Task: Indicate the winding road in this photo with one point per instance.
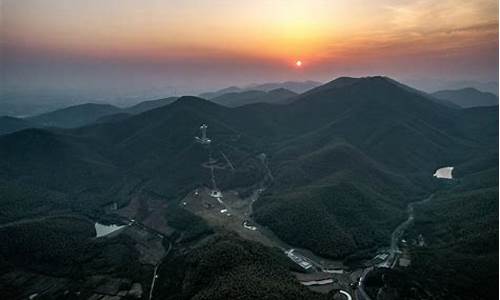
(394, 250)
(155, 271)
(348, 296)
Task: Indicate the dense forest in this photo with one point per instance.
(334, 220)
(227, 267)
(65, 247)
(339, 165)
(190, 225)
(459, 229)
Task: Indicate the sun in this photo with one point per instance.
(298, 63)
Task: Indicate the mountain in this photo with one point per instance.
(470, 208)
(99, 160)
(422, 93)
(136, 109)
(80, 115)
(21, 102)
(349, 150)
(227, 267)
(11, 124)
(277, 96)
(297, 87)
(148, 105)
(458, 226)
(343, 161)
(487, 86)
(351, 136)
(74, 116)
(346, 81)
(113, 118)
(467, 97)
(210, 95)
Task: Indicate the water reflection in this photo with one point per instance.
(103, 230)
(445, 173)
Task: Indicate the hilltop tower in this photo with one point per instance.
(203, 129)
(203, 139)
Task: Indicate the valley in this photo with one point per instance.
(247, 150)
(264, 201)
(227, 211)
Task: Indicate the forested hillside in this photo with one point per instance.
(460, 227)
(227, 267)
(374, 152)
(341, 163)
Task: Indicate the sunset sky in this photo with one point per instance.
(209, 44)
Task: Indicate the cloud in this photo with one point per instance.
(426, 16)
(424, 28)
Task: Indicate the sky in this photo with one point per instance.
(189, 46)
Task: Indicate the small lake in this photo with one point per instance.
(103, 230)
(445, 172)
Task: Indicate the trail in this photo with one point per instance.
(41, 219)
(227, 160)
(155, 271)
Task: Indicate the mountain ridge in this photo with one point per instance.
(378, 127)
(467, 97)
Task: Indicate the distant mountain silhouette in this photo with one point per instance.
(74, 116)
(231, 89)
(136, 109)
(11, 124)
(298, 87)
(277, 96)
(467, 97)
(293, 86)
(148, 105)
(113, 118)
(80, 115)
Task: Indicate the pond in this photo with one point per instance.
(103, 230)
(445, 172)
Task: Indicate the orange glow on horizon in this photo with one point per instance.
(270, 33)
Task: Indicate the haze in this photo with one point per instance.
(122, 47)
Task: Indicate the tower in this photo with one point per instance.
(203, 129)
(203, 139)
